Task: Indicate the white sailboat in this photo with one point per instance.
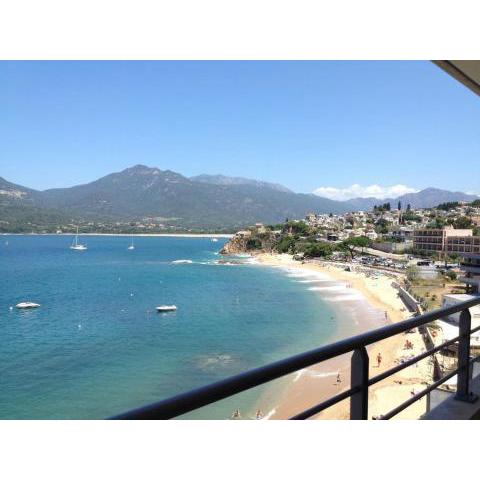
(132, 246)
(77, 246)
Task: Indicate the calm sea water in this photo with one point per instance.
(96, 347)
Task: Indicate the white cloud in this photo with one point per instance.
(357, 190)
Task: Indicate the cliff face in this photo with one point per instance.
(235, 245)
(248, 241)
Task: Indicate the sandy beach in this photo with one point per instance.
(319, 382)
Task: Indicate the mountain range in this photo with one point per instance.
(204, 201)
(426, 198)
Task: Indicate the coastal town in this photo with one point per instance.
(404, 262)
(446, 238)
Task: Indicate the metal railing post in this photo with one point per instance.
(463, 377)
(359, 378)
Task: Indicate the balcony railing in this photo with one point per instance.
(360, 381)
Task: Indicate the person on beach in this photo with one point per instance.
(259, 415)
(236, 415)
(379, 359)
(386, 315)
(339, 380)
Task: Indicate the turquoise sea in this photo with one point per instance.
(96, 347)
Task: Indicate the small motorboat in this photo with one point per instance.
(166, 308)
(27, 305)
(214, 239)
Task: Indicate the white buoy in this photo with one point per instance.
(11, 308)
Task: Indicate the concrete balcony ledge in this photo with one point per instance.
(451, 409)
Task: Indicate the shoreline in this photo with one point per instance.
(186, 235)
(314, 384)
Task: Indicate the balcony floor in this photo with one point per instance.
(451, 409)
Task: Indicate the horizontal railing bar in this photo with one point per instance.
(474, 330)
(326, 404)
(408, 363)
(197, 398)
(418, 396)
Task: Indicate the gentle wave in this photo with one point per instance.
(294, 272)
(345, 298)
(299, 374)
(300, 275)
(316, 280)
(331, 288)
(269, 414)
(324, 375)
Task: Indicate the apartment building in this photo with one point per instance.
(437, 239)
(454, 241)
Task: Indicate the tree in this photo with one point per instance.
(451, 257)
(382, 226)
(286, 245)
(463, 222)
(320, 249)
(437, 222)
(447, 206)
(296, 228)
(451, 275)
(253, 244)
(408, 207)
(399, 205)
(351, 244)
(412, 273)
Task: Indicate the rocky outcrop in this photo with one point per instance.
(256, 239)
(237, 244)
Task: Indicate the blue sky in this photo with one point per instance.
(307, 125)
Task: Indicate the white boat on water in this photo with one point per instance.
(166, 308)
(77, 246)
(131, 246)
(27, 305)
(214, 239)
